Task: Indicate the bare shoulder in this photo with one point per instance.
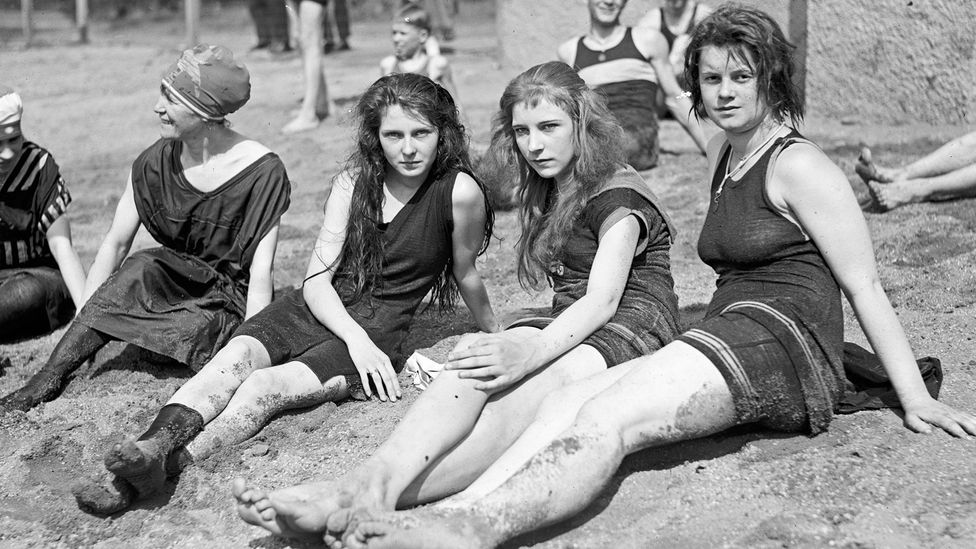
(440, 63)
(387, 64)
(567, 51)
(467, 193)
(651, 19)
(650, 42)
(343, 184)
(804, 167)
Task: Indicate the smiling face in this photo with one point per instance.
(729, 90)
(407, 39)
(176, 121)
(606, 12)
(409, 143)
(10, 149)
(544, 135)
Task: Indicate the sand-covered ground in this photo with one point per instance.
(868, 482)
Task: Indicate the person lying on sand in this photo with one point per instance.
(212, 199)
(783, 231)
(42, 281)
(591, 226)
(946, 173)
(404, 219)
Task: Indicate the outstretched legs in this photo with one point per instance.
(675, 394)
(404, 472)
(77, 345)
(947, 173)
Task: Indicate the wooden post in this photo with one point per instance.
(27, 20)
(81, 20)
(192, 9)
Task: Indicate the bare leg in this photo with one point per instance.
(960, 183)
(264, 394)
(315, 101)
(674, 394)
(77, 345)
(453, 454)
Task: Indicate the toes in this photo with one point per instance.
(338, 521)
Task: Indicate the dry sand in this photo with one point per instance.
(868, 482)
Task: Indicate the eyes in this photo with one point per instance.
(545, 127)
(395, 135)
(739, 77)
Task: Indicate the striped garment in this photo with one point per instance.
(32, 197)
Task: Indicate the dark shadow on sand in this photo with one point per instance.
(653, 459)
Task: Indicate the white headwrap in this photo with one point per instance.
(11, 110)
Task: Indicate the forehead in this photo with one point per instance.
(406, 28)
(397, 117)
(534, 111)
(719, 58)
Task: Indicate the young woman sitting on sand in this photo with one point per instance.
(592, 227)
(404, 218)
(42, 281)
(783, 230)
(212, 199)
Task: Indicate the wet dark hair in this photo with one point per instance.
(545, 215)
(747, 32)
(362, 252)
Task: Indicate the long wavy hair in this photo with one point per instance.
(547, 214)
(361, 258)
(741, 29)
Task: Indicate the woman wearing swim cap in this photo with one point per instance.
(211, 198)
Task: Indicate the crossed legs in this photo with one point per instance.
(947, 173)
(463, 431)
(675, 394)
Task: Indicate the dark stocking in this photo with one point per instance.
(77, 345)
(142, 462)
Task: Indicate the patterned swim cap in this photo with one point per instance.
(208, 81)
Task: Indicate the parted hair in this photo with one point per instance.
(362, 252)
(547, 214)
(742, 29)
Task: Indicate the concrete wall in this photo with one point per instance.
(885, 61)
(892, 61)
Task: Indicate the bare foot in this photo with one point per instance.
(869, 171)
(297, 512)
(104, 496)
(888, 196)
(428, 528)
(141, 462)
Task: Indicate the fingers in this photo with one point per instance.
(493, 385)
(480, 345)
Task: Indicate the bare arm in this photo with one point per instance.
(260, 288)
(655, 48)
(469, 232)
(387, 64)
(59, 240)
(814, 191)
(567, 51)
(326, 305)
(507, 360)
(116, 243)
(956, 154)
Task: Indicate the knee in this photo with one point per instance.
(554, 405)
(259, 385)
(595, 420)
(23, 289)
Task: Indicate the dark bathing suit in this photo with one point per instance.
(32, 197)
(629, 83)
(417, 245)
(184, 299)
(774, 327)
(647, 315)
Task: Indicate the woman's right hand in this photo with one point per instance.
(925, 412)
(373, 364)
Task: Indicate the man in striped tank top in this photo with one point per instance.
(41, 277)
(628, 65)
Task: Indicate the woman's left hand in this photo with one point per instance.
(922, 414)
(502, 359)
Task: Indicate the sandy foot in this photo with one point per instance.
(139, 462)
(104, 496)
(868, 170)
(296, 512)
(888, 196)
(418, 529)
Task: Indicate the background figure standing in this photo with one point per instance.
(339, 15)
(315, 98)
(628, 65)
(442, 13)
(41, 278)
(271, 23)
(675, 20)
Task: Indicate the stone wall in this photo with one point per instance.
(885, 61)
